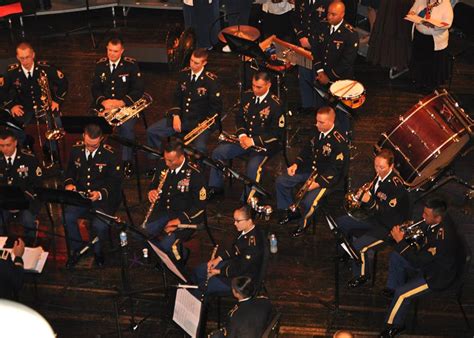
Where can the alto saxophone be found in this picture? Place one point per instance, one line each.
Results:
(163, 175)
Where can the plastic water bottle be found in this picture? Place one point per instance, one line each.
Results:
(123, 239)
(145, 254)
(273, 244)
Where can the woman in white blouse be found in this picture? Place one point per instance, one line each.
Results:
(429, 64)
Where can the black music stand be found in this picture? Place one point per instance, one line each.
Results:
(75, 124)
(12, 198)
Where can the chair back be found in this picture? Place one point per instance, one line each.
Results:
(273, 326)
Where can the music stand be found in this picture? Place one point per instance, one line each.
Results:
(75, 124)
(13, 198)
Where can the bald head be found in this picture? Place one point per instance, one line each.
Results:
(336, 12)
(343, 334)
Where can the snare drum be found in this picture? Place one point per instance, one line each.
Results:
(349, 92)
(428, 138)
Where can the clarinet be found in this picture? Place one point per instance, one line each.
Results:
(213, 256)
(163, 175)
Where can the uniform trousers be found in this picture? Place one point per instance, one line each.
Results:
(216, 284)
(26, 218)
(127, 130)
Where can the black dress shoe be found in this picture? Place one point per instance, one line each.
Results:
(213, 192)
(299, 231)
(128, 169)
(290, 216)
(357, 281)
(391, 331)
(388, 293)
(99, 260)
(72, 260)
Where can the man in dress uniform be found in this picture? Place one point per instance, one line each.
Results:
(415, 271)
(334, 47)
(387, 199)
(179, 195)
(118, 83)
(250, 316)
(11, 271)
(326, 156)
(308, 18)
(21, 88)
(244, 259)
(94, 170)
(259, 123)
(196, 98)
(19, 167)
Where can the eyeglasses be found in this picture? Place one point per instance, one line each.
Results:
(240, 220)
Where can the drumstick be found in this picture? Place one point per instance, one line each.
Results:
(349, 87)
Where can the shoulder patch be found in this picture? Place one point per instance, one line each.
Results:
(276, 99)
(109, 148)
(43, 63)
(13, 66)
(27, 152)
(212, 76)
(338, 136)
(78, 144)
(193, 166)
(129, 59)
(102, 60)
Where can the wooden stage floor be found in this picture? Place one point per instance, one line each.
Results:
(301, 276)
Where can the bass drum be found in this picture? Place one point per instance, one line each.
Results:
(428, 138)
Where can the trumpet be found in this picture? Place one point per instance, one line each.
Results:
(163, 175)
(303, 190)
(353, 201)
(414, 234)
(226, 137)
(200, 128)
(118, 116)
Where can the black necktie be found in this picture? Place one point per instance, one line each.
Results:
(89, 158)
(193, 78)
(29, 75)
(257, 101)
(9, 161)
(332, 30)
(113, 67)
(321, 136)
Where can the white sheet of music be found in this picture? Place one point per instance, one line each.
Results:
(187, 312)
(169, 264)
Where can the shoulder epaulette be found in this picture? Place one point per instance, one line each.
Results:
(349, 27)
(129, 59)
(27, 152)
(13, 66)
(397, 180)
(338, 136)
(235, 308)
(109, 148)
(276, 99)
(78, 144)
(212, 76)
(43, 63)
(248, 91)
(185, 69)
(193, 166)
(102, 60)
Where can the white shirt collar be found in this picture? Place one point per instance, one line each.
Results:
(262, 97)
(246, 232)
(25, 71)
(13, 156)
(93, 153)
(116, 63)
(383, 179)
(177, 170)
(198, 74)
(327, 133)
(244, 299)
(336, 27)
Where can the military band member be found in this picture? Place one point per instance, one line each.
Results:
(19, 167)
(22, 90)
(182, 200)
(197, 97)
(387, 199)
(308, 19)
(250, 316)
(94, 170)
(118, 83)
(414, 272)
(334, 48)
(327, 155)
(243, 259)
(11, 271)
(259, 127)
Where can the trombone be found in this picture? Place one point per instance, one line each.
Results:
(200, 128)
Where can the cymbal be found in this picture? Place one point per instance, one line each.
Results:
(241, 31)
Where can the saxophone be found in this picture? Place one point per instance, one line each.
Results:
(163, 175)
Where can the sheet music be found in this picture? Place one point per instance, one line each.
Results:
(187, 312)
(34, 259)
(169, 264)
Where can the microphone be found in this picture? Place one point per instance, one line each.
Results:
(191, 226)
(88, 246)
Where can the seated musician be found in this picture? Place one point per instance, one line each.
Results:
(118, 83)
(414, 270)
(178, 196)
(19, 167)
(250, 316)
(326, 156)
(259, 123)
(244, 259)
(386, 199)
(197, 97)
(94, 170)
